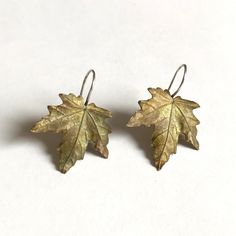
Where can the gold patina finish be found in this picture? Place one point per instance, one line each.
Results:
(79, 124)
(171, 117)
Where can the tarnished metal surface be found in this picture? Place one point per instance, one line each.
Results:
(80, 124)
(171, 117)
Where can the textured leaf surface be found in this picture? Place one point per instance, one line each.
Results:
(171, 117)
(79, 124)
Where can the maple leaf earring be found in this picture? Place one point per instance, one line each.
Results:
(171, 117)
(80, 124)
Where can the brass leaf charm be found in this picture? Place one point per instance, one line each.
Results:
(171, 117)
(80, 124)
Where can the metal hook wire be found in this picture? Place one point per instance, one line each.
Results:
(172, 81)
(91, 87)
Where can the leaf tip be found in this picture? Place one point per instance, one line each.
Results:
(159, 165)
(34, 129)
(130, 123)
(50, 108)
(62, 96)
(63, 171)
(63, 168)
(105, 152)
(197, 146)
(109, 114)
(151, 90)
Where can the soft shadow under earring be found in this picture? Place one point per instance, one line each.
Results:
(80, 124)
(171, 117)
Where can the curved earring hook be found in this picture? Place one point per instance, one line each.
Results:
(172, 81)
(91, 87)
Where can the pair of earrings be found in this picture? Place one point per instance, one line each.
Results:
(82, 123)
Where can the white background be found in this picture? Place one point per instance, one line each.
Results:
(46, 47)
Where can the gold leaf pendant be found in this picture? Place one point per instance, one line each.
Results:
(171, 117)
(80, 124)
